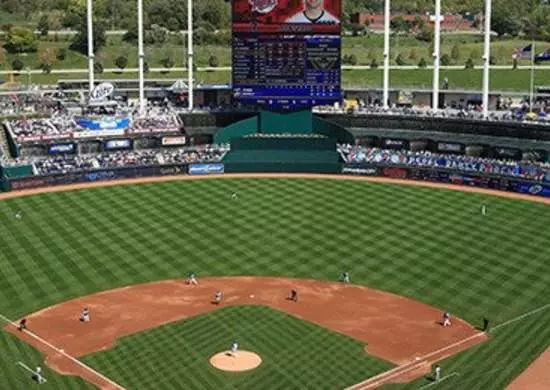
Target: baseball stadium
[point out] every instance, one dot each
(278, 231)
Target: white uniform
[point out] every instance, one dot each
(234, 349)
(437, 373)
(446, 319)
(325, 18)
(483, 210)
(39, 377)
(234, 196)
(345, 277)
(19, 215)
(85, 316)
(192, 280)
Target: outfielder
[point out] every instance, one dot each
(85, 315)
(19, 214)
(483, 210)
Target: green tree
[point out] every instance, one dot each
(213, 61)
(445, 60)
(17, 64)
(506, 17)
(157, 35)
(21, 40)
(422, 63)
(80, 40)
(425, 34)
(145, 67)
(61, 54)
(413, 54)
(43, 25)
(46, 68)
(98, 67)
(167, 62)
(399, 60)
(121, 62)
(455, 53)
(475, 54)
(469, 64)
(374, 64)
(353, 59)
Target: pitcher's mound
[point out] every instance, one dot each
(243, 361)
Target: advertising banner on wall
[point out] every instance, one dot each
(118, 144)
(205, 169)
(69, 148)
(174, 141)
(106, 123)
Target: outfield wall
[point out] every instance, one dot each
(446, 176)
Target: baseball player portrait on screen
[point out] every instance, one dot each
(314, 12)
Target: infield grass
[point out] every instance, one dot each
(296, 354)
(431, 245)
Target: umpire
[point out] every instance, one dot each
(485, 324)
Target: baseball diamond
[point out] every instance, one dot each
(148, 328)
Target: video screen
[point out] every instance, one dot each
(286, 53)
(296, 16)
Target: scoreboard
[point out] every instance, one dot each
(283, 59)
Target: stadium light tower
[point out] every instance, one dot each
(437, 38)
(385, 93)
(141, 57)
(486, 58)
(90, 45)
(190, 53)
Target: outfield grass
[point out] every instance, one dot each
(295, 354)
(431, 245)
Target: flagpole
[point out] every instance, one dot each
(190, 54)
(486, 58)
(532, 75)
(437, 38)
(385, 93)
(141, 58)
(89, 18)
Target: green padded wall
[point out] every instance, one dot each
(237, 130)
(297, 122)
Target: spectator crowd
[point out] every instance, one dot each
(137, 158)
(460, 163)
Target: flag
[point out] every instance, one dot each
(523, 53)
(544, 56)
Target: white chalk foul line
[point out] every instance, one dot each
(399, 370)
(439, 381)
(21, 364)
(521, 317)
(74, 360)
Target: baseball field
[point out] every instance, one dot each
(418, 246)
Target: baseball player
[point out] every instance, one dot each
(483, 210)
(437, 375)
(85, 315)
(234, 349)
(19, 214)
(192, 279)
(446, 319)
(22, 324)
(39, 378)
(218, 298)
(234, 196)
(345, 277)
(485, 324)
(293, 296)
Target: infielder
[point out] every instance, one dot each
(293, 296)
(446, 319)
(345, 277)
(22, 324)
(234, 349)
(192, 279)
(218, 298)
(85, 315)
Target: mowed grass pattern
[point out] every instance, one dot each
(432, 245)
(296, 354)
